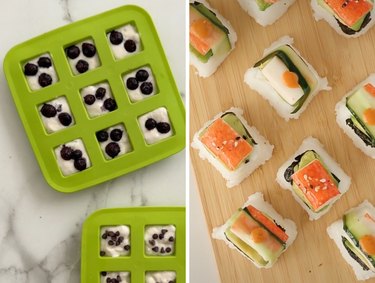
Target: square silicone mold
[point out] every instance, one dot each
(132, 225)
(116, 104)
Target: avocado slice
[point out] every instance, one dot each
(237, 125)
(263, 5)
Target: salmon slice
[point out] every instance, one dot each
(268, 223)
(370, 89)
(225, 143)
(350, 11)
(316, 184)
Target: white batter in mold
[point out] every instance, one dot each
(160, 240)
(140, 84)
(40, 72)
(118, 277)
(124, 41)
(114, 141)
(96, 104)
(115, 241)
(82, 59)
(72, 157)
(155, 125)
(160, 277)
(56, 115)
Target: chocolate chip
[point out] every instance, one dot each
(155, 236)
(89, 99)
(44, 62)
(88, 49)
(104, 236)
(155, 249)
(168, 250)
(112, 149)
(48, 110)
(141, 75)
(163, 127)
(126, 247)
(73, 52)
(111, 243)
(100, 93)
(116, 37)
(82, 66)
(116, 135)
(102, 253)
(103, 273)
(80, 164)
(147, 88)
(76, 154)
(65, 119)
(66, 152)
(161, 236)
(130, 46)
(150, 124)
(151, 242)
(110, 104)
(30, 69)
(171, 239)
(44, 80)
(132, 83)
(162, 250)
(102, 136)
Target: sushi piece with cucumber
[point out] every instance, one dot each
(266, 12)
(355, 114)
(258, 232)
(314, 178)
(350, 18)
(354, 235)
(285, 79)
(211, 38)
(233, 147)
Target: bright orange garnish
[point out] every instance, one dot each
(202, 28)
(290, 79)
(259, 235)
(367, 244)
(370, 89)
(199, 34)
(369, 116)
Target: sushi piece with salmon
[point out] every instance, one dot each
(285, 79)
(314, 178)
(355, 114)
(350, 18)
(266, 12)
(211, 38)
(258, 232)
(354, 235)
(233, 147)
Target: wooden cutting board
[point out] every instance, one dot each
(313, 257)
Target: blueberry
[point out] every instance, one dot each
(82, 66)
(89, 99)
(76, 154)
(102, 136)
(30, 69)
(132, 83)
(73, 52)
(103, 273)
(66, 152)
(110, 104)
(147, 88)
(65, 119)
(150, 124)
(100, 93)
(44, 80)
(130, 46)
(88, 49)
(112, 149)
(44, 62)
(116, 135)
(163, 127)
(48, 110)
(141, 75)
(116, 37)
(80, 164)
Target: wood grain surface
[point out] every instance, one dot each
(313, 257)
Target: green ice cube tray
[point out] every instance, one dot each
(69, 85)
(137, 263)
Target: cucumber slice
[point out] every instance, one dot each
(263, 5)
(356, 254)
(202, 58)
(237, 125)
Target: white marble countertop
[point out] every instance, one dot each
(40, 229)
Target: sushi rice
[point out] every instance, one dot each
(262, 151)
(343, 113)
(311, 143)
(336, 232)
(258, 82)
(321, 14)
(257, 201)
(207, 69)
(270, 15)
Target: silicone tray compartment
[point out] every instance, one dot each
(68, 85)
(137, 263)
